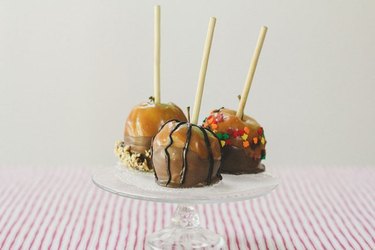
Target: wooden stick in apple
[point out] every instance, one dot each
(250, 74)
(203, 70)
(157, 54)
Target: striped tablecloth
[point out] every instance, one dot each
(313, 208)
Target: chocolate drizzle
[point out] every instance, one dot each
(210, 154)
(186, 150)
(184, 154)
(152, 142)
(167, 153)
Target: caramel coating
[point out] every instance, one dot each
(141, 125)
(145, 119)
(231, 121)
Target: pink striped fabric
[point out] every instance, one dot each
(313, 208)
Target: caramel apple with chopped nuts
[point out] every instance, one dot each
(143, 123)
(146, 118)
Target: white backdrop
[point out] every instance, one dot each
(70, 71)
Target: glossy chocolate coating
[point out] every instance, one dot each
(196, 173)
(185, 155)
(236, 161)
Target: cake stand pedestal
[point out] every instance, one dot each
(185, 231)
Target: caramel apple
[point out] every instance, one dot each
(146, 118)
(186, 155)
(142, 124)
(243, 141)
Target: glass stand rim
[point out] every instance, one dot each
(138, 185)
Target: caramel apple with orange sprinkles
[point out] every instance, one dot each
(241, 136)
(242, 140)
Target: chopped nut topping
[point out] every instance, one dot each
(131, 159)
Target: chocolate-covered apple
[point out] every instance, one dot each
(186, 155)
(143, 122)
(243, 141)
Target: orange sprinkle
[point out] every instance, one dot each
(214, 126)
(255, 140)
(210, 119)
(247, 130)
(245, 144)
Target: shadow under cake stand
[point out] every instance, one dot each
(185, 231)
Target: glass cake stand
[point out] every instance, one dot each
(185, 231)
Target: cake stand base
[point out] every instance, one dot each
(185, 232)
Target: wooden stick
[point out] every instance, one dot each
(203, 71)
(250, 74)
(157, 54)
